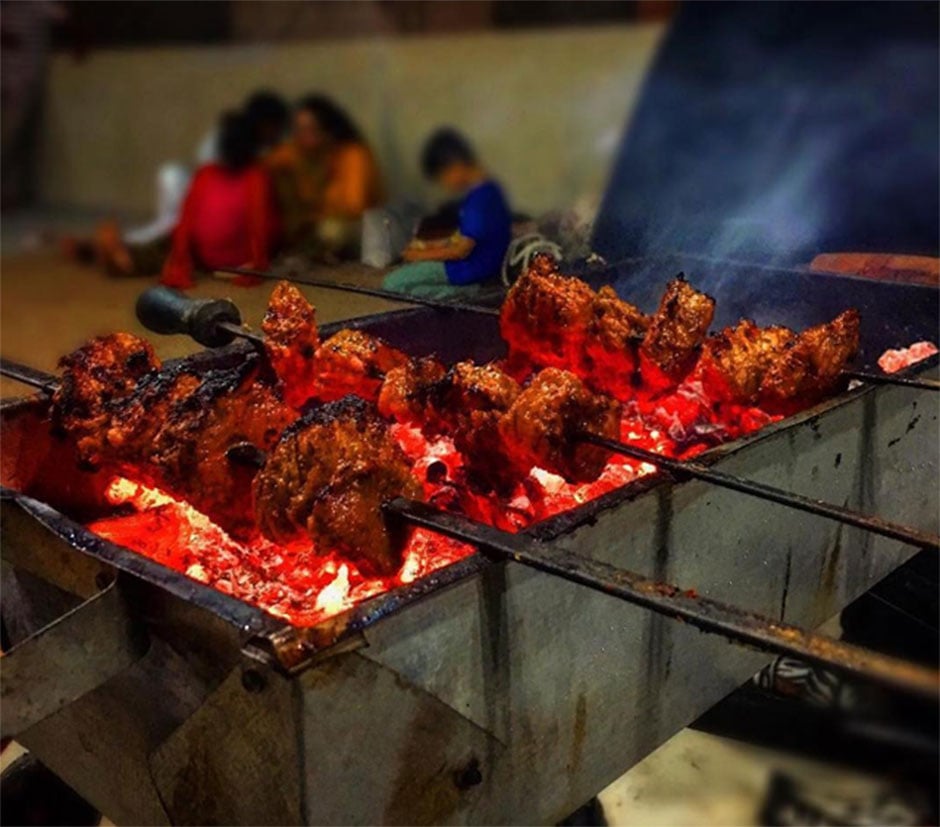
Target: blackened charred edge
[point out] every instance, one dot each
(350, 407)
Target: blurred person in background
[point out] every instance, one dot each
(325, 177)
(228, 217)
(267, 115)
(461, 262)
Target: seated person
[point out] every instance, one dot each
(325, 177)
(142, 250)
(458, 263)
(228, 217)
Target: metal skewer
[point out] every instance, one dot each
(683, 468)
(709, 615)
(39, 379)
(378, 292)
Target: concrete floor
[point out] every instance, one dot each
(49, 306)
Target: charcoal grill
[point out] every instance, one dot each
(486, 692)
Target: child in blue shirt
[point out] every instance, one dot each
(454, 266)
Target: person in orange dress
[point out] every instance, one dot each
(325, 177)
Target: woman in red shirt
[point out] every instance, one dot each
(228, 218)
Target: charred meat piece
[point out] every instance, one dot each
(613, 330)
(469, 403)
(545, 316)
(291, 339)
(734, 362)
(328, 478)
(406, 390)
(542, 426)
(95, 379)
(353, 362)
(810, 367)
(189, 453)
(675, 333)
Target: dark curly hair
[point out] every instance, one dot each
(444, 147)
(331, 117)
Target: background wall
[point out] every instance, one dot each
(545, 108)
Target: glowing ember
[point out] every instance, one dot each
(892, 361)
(301, 585)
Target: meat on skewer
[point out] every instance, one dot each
(734, 362)
(328, 478)
(810, 367)
(406, 391)
(776, 368)
(545, 317)
(676, 331)
(169, 426)
(95, 378)
(610, 358)
(354, 362)
(291, 340)
(542, 426)
(469, 403)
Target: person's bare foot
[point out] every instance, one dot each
(112, 254)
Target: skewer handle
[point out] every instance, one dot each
(164, 310)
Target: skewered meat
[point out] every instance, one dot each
(469, 403)
(545, 316)
(675, 333)
(353, 362)
(228, 407)
(406, 390)
(610, 345)
(734, 362)
(327, 480)
(167, 425)
(291, 340)
(95, 377)
(542, 426)
(810, 367)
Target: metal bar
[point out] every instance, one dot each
(890, 379)
(243, 333)
(365, 291)
(29, 376)
(682, 468)
(708, 615)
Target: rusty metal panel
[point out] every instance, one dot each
(236, 760)
(580, 686)
(379, 750)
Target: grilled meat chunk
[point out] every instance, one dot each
(542, 426)
(734, 362)
(353, 362)
(189, 453)
(406, 390)
(169, 427)
(95, 378)
(810, 366)
(610, 344)
(291, 340)
(327, 480)
(545, 316)
(469, 403)
(676, 331)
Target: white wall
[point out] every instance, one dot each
(546, 108)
